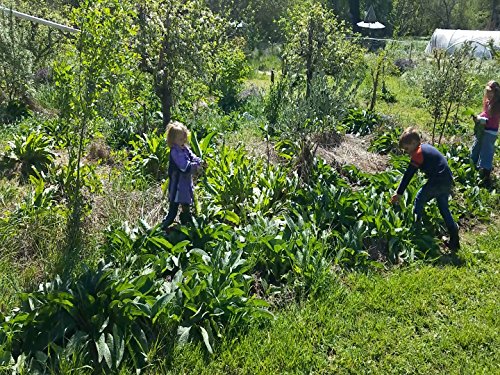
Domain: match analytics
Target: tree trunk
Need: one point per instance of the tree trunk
(494, 22)
(375, 83)
(163, 85)
(309, 58)
(167, 102)
(355, 17)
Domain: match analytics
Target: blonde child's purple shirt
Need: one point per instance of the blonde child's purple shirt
(180, 187)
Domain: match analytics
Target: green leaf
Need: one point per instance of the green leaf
(231, 292)
(160, 304)
(140, 337)
(103, 350)
(183, 333)
(104, 325)
(195, 146)
(230, 216)
(206, 339)
(180, 246)
(110, 343)
(77, 341)
(262, 313)
(119, 345)
(206, 141)
(5, 358)
(41, 357)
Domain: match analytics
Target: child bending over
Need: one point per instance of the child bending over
(438, 185)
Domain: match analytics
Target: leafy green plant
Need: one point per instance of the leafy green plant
(150, 154)
(309, 253)
(387, 142)
(265, 247)
(27, 152)
(143, 245)
(101, 314)
(229, 67)
(231, 178)
(321, 71)
(39, 199)
(13, 111)
(446, 87)
(360, 122)
(215, 290)
(64, 177)
(24, 229)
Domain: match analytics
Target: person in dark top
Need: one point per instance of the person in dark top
(438, 185)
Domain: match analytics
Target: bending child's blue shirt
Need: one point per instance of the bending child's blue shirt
(432, 163)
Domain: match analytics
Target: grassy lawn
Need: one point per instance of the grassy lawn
(420, 319)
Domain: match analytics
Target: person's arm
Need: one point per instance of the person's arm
(493, 121)
(181, 160)
(194, 159)
(409, 173)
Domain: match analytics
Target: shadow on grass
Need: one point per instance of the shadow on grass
(451, 259)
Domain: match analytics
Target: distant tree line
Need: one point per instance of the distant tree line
(257, 19)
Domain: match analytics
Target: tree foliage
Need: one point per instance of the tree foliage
(93, 83)
(321, 67)
(177, 41)
(447, 86)
(25, 50)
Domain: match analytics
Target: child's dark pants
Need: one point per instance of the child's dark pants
(185, 215)
(441, 192)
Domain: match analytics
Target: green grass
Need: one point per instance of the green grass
(409, 107)
(425, 319)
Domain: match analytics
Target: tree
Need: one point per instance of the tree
(177, 41)
(92, 82)
(354, 11)
(495, 17)
(263, 17)
(403, 15)
(317, 43)
(447, 86)
(322, 67)
(25, 49)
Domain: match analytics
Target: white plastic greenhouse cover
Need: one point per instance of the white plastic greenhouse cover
(450, 40)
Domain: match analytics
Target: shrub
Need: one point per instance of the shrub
(360, 121)
(27, 152)
(150, 155)
(13, 111)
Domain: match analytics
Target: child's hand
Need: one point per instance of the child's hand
(395, 198)
(204, 164)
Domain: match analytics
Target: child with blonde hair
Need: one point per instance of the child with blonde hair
(439, 181)
(486, 131)
(183, 163)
